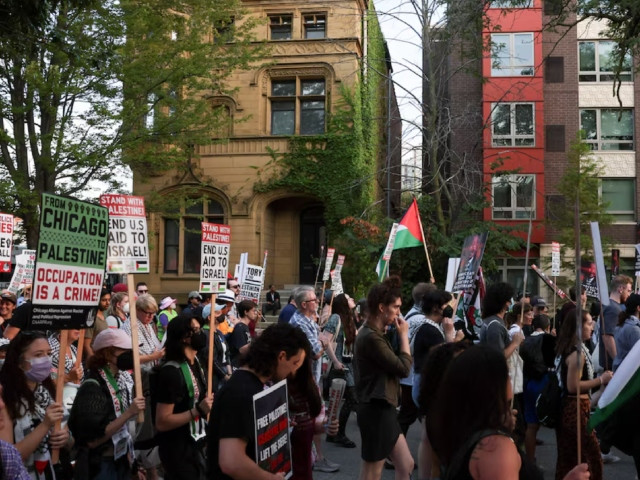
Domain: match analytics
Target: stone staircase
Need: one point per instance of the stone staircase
(284, 291)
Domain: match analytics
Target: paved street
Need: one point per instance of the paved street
(349, 458)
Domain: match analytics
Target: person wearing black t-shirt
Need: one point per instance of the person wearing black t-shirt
(240, 338)
(231, 442)
(182, 402)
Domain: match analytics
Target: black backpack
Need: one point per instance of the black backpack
(531, 353)
(549, 402)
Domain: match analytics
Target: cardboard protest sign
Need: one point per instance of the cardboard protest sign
(555, 259)
(543, 276)
(588, 278)
(214, 258)
(472, 251)
(70, 262)
(602, 283)
(336, 276)
(23, 273)
(252, 286)
(271, 416)
(637, 267)
(128, 239)
(6, 242)
(327, 264)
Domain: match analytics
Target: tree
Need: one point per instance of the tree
(87, 85)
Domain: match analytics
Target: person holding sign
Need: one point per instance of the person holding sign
(231, 435)
(150, 351)
(31, 412)
(102, 409)
(377, 372)
(182, 404)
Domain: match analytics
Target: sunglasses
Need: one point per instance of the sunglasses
(143, 291)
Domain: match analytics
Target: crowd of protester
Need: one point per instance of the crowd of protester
(397, 369)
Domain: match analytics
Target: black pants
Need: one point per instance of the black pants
(408, 410)
(348, 406)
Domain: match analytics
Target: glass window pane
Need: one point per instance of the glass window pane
(283, 117)
(605, 56)
(283, 89)
(587, 56)
(192, 239)
(171, 239)
(524, 192)
(616, 124)
(619, 195)
(502, 193)
(523, 48)
(524, 119)
(194, 208)
(502, 119)
(312, 120)
(500, 54)
(588, 124)
(214, 207)
(313, 87)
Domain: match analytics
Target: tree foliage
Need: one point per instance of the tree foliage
(86, 84)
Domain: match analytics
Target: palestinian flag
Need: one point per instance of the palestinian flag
(617, 418)
(407, 235)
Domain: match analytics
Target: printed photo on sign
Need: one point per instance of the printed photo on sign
(70, 262)
(273, 443)
(128, 239)
(588, 278)
(470, 260)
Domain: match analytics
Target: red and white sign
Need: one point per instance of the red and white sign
(214, 258)
(6, 242)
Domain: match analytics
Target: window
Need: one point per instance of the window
(608, 128)
(224, 30)
(511, 270)
(314, 26)
(597, 62)
(511, 54)
(298, 103)
(184, 233)
(512, 125)
(280, 27)
(513, 196)
(619, 195)
(511, 3)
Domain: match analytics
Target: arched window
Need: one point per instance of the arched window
(183, 231)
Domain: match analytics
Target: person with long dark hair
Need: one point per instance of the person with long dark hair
(377, 372)
(342, 327)
(182, 401)
(103, 408)
(628, 331)
(476, 443)
(29, 396)
(578, 379)
(305, 407)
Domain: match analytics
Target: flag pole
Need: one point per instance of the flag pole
(424, 243)
(526, 266)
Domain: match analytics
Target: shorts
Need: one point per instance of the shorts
(379, 429)
(532, 391)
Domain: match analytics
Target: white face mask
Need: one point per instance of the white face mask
(125, 308)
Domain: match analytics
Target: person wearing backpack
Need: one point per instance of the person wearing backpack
(538, 353)
(577, 381)
(181, 402)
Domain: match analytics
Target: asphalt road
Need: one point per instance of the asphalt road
(349, 458)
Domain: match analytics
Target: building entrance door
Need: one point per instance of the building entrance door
(312, 237)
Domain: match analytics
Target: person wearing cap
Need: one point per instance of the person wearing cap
(193, 302)
(212, 317)
(227, 299)
(182, 403)
(99, 322)
(539, 305)
(103, 408)
(120, 288)
(167, 313)
(150, 350)
(8, 302)
(31, 413)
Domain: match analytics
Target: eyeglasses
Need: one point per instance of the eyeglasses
(234, 286)
(143, 291)
(312, 299)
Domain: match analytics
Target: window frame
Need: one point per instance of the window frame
(617, 214)
(597, 73)
(508, 4)
(299, 99)
(513, 136)
(513, 208)
(315, 17)
(179, 221)
(598, 142)
(509, 71)
(280, 25)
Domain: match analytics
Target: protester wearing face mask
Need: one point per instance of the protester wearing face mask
(99, 322)
(118, 312)
(103, 408)
(150, 350)
(182, 404)
(31, 413)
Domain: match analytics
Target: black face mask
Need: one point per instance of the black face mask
(198, 341)
(447, 312)
(125, 360)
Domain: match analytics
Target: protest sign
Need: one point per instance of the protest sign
(336, 276)
(601, 274)
(6, 242)
(23, 273)
(271, 417)
(214, 258)
(555, 259)
(588, 278)
(543, 276)
(128, 239)
(70, 262)
(472, 251)
(637, 267)
(264, 264)
(327, 264)
(252, 286)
